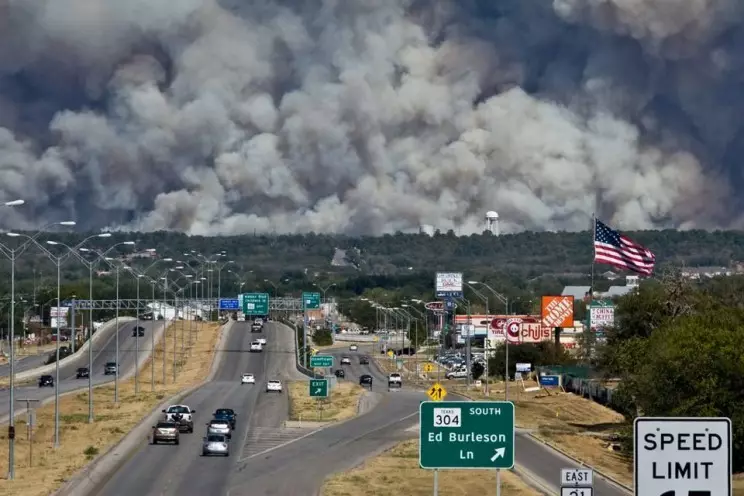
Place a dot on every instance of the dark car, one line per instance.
(110, 368)
(82, 373)
(365, 380)
(406, 351)
(138, 331)
(340, 373)
(226, 414)
(46, 381)
(364, 360)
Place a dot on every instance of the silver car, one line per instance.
(216, 444)
(219, 427)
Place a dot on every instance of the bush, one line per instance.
(323, 337)
(477, 370)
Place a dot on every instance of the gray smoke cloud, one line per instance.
(371, 116)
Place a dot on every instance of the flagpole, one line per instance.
(594, 238)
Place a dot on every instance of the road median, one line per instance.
(343, 402)
(43, 469)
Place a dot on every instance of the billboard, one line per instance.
(480, 323)
(601, 315)
(557, 311)
(519, 329)
(449, 284)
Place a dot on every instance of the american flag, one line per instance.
(613, 248)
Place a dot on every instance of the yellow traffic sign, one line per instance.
(437, 392)
(391, 353)
(428, 368)
(375, 339)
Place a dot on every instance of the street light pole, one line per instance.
(116, 377)
(152, 342)
(56, 368)
(505, 301)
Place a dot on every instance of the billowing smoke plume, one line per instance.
(371, 116)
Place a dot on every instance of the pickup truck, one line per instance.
(395, 381)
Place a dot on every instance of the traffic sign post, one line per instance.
(682, 456)
(436, 392)
(466, 435)
(428, 368)
(321, 361)
(577, 482)
(318, 388)
(254, 303)
(229, 304)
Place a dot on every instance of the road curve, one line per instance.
(24, 364)
(106, 353)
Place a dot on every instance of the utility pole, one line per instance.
(30, 426)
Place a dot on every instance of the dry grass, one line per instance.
(580, 427)
(738, 486)
(398, 468)
(341, 405)
(79, 441)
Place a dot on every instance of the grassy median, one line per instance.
(42, 469)
(386, 474)
(341, 405)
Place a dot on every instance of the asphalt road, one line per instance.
(181, 470)
(106, 353)
(25, 363)
(269, 459)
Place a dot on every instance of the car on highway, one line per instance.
(46, 381)
(138, 331)
(219, 426)
(395, 381)
(345, 361)
(110, 368)
(364, 360)
(340, 373)
(365, 380)
(262, 341)
(82, 373)
(274, 386)
(456, 374)
(182, 415)
(256, 327)
(165, 432)
(215, 444)
(256, 347)
(226, 414)
(247, 379)
(353, 347)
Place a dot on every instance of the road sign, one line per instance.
(682, 456)
(391, 353)
(550, 380)
(318, 388)
(577, 491)
(255, 303)
(577, 477)
(229, 304)
(428, 368)
(375, 339)
(311, 301)
(436, 392)
(464, 435)
(321, 361)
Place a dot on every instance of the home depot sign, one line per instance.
(557, 311)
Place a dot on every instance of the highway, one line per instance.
(105, 353)
(269, 459)
(25, 363)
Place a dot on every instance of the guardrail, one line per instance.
(302, 370)
(97, 336)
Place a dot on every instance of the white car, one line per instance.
(256, 346)
(247, 379)
(274, 387)
(353, 347)
(262, 341)
(346, 361)
(219, 427)
(215, 444)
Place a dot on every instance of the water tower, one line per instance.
(492, 222)
(426, 229)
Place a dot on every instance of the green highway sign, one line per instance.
(462, 435)
(321, 361)
(318, 388)
(254, 303)
(311, 301)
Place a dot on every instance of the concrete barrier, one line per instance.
(103, 333)
(91, 478)
(392, 341)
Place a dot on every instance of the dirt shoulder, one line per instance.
(341, 405)
(80, 442)
(398, 468)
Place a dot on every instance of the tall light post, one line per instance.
(323, 290)
(138, 276)
(503, 299)
(165, 290)
(89, 264)
(220, 268)
(276, 286)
